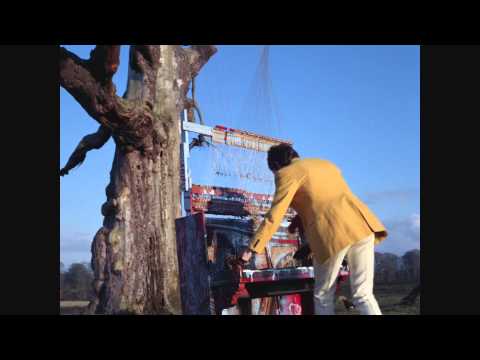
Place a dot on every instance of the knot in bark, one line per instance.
(110, 207)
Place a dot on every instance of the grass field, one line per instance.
(73, 307)
(388, 296)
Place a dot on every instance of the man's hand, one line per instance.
(303, 253)
(237, 262)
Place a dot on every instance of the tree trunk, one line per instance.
(134, 254)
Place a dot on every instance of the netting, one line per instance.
(241, 160)
(260, 106)
(232, 178)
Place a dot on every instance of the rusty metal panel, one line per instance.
(244, 139)
(229, 201)
(193, 266)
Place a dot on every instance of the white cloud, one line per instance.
(403, 235)
(415, 221)
(391, 195)
(70, 257)
(75, 247)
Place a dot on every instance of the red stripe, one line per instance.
(285, 241)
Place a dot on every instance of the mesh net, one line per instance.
(237, 162)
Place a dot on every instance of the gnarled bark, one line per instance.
(88, 142)
(134, 253)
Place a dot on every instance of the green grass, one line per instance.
(73, 307)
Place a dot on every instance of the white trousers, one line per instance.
(360, 259)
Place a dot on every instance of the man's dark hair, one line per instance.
(280, 156)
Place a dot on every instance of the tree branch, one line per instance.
(143, 57)
(90, 81)
(199, 56)
(192, 104)
(89, 142)
(104, 62)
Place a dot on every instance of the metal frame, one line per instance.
(186, 177)
(218, 134)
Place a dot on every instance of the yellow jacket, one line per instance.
(332, 216)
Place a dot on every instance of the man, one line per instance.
(304, 255)
(342, 277)
(336, 224)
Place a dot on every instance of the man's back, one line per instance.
(322, 182)
(332, 216)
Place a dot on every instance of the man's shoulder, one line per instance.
(308, 165)
(314, 162)
(300, 166)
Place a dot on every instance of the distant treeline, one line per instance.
(391, 268)
(76, 283)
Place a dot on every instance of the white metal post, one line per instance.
(184, 156)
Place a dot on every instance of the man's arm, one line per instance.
(285, 188)
(295, 223)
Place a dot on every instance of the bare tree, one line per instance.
(77, 283)
(134, 252)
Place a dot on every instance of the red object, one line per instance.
(342, 277)
(291, 304)
(223, 200)
(241, 292)
(243, 132)
(285, 241)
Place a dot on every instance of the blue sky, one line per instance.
(357, 106)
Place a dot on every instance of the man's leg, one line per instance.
(325, 280)
(361, 258)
